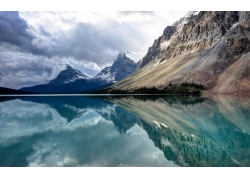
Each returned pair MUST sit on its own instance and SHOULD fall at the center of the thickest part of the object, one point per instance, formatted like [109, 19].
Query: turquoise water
[124, 131]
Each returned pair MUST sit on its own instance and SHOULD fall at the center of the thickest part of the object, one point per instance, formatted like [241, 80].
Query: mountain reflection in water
[125, 131]
[196, 131]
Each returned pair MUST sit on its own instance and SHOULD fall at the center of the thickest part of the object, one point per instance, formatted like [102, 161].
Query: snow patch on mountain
[156, 64]
[110, 77]
[74, 78]
[163, 62]
[234, 25]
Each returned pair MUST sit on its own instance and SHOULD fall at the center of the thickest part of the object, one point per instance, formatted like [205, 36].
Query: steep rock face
[201, 31]
[121, 68]
[198, 48]
[235, 79]
[163, 41]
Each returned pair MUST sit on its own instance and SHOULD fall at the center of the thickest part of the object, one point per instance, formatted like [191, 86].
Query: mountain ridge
[204, 46]
[71, 80]
[67, 75]
[4, 90]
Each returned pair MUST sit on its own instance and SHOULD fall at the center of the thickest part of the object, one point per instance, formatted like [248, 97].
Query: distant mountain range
[71, 80]
[6, 91]
[210, 48]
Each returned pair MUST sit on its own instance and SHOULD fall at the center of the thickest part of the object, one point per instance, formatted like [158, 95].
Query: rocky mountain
[71, 80]
[68, 81]
[68, 75]
[121, 68]
[208, 48]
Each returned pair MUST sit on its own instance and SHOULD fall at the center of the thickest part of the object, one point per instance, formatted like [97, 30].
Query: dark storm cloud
[98, 43]
[14, 34]
[22, 69]
[44, 32]
[13, 30]
[34, 46]
[29, 54]
[95, 43]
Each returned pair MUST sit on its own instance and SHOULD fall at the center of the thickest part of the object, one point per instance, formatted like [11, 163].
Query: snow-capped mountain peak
[72, 80]
[121, 68]
[68, 75]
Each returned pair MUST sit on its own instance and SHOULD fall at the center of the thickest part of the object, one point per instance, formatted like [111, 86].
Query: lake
[154, 131]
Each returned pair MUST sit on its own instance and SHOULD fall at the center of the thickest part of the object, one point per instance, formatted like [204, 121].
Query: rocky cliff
[208, 48]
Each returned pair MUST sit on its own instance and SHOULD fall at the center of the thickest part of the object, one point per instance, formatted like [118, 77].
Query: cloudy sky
[36, 45]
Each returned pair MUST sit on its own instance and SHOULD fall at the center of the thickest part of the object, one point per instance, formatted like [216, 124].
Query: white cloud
[89, 41]
[135, 31]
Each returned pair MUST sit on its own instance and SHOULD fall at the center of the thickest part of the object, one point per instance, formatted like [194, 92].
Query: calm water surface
[125, 131]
